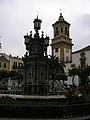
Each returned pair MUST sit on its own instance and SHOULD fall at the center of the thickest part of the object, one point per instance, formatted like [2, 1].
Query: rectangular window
[67, 59]
[56, 30]
[4, 65]
[0, 64]
[66, 30]
[56, 49]
[67, 49]
[15, 65]
[20, 65]
[61, 30]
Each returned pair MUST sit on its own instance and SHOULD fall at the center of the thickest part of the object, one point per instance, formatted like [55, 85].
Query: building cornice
[87, 48]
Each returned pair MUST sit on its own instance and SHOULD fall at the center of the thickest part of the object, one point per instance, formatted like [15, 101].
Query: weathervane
[60, 11]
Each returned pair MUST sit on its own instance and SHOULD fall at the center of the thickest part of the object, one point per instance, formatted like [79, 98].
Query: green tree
[15, 74]
[83, 74]
[73, 71]
[4, 74]
[61, 76]
[84, 86]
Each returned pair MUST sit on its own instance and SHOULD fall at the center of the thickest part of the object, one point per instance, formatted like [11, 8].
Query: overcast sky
[16, 19]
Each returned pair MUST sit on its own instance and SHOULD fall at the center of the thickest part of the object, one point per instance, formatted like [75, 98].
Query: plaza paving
[33, 97]
[77, 118]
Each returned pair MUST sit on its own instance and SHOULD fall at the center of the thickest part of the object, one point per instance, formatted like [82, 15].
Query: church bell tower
[61, 42]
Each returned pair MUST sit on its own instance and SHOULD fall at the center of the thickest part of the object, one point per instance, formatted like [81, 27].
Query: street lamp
[46, 44]
[37, 24]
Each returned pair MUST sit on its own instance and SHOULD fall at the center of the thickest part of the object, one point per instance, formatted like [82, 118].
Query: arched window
[0, 64]
[61, 30]
[66, 30]
[56, 30]
[4, 65]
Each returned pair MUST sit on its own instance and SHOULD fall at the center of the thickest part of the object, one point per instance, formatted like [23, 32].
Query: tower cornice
[59, 22]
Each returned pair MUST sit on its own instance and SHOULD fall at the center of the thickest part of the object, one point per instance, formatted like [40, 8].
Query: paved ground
[32, 96]
[78, 118]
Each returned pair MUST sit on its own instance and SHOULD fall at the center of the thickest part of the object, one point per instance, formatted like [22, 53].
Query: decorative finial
[37, 16]
[61, 16]
[30, 33]
[60, 12]
[42, 34]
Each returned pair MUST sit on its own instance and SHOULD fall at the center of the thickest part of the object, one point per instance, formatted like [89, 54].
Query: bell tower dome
[61, 42]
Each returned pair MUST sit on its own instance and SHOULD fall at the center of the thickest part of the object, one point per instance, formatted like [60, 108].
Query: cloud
[16, 19]
[81, 31]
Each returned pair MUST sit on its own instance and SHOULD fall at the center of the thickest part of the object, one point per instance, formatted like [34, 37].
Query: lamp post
[37, 23]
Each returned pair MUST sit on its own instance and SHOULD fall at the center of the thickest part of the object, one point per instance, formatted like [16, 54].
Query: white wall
[66, 54]
[67, 67]
[76, 80]
[57, 53]
[75, 59]
[88, 57]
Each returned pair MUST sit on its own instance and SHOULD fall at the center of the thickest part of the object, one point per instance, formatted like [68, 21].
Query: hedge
[41, 109]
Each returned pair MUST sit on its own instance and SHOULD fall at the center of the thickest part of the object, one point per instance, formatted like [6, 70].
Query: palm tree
[55, 66]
